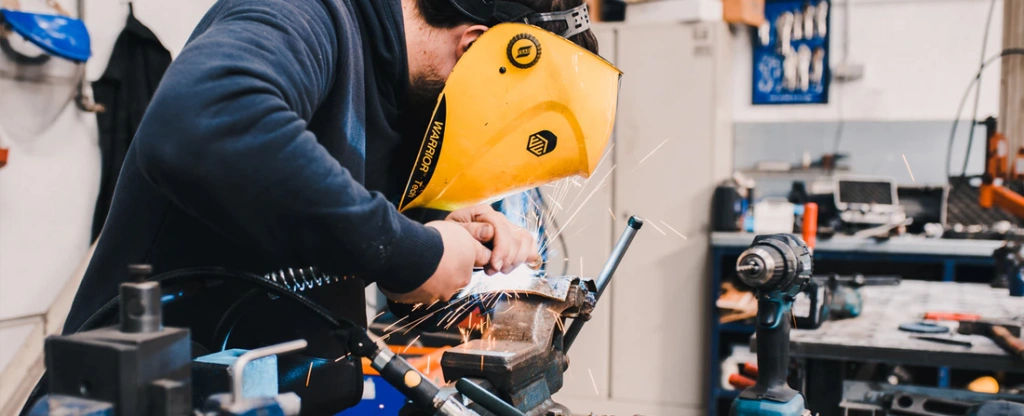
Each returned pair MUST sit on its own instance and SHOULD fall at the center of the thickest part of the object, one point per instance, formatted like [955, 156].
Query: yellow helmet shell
[522, 107]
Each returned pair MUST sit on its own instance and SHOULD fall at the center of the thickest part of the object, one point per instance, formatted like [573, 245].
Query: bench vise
[521, 354]
[517, 364]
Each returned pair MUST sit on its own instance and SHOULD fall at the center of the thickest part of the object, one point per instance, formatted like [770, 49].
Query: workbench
[933, 259]
[874, 336]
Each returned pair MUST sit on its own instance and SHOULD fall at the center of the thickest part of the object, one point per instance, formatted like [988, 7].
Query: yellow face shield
[522, 108]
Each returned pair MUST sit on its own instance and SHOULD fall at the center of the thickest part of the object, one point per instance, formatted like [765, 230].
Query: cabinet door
[588, 240]
[665, 157]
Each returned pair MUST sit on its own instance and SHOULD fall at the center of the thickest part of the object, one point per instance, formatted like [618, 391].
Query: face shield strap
[577, 19]
[492, 12]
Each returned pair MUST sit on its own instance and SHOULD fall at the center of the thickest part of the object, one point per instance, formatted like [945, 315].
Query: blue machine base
[747, 407]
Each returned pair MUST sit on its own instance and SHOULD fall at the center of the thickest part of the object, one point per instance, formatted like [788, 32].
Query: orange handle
[810, 227]
[3, 156]
[951, 316]
[750, 369]
[740, 382]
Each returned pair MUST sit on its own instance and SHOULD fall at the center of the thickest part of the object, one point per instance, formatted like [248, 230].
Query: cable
[967, 93]
[977, 91]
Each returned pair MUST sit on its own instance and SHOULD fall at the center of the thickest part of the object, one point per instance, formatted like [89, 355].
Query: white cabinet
[648, 356]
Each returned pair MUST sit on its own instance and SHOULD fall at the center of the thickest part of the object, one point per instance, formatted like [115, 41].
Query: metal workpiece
[632, 227]
[522, 281]
[238, 368]
[141, 309]
[486, 398]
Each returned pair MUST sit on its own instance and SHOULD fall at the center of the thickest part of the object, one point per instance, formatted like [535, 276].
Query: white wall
[918, 55]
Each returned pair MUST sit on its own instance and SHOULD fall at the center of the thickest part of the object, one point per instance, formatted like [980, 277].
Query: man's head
[438, 34]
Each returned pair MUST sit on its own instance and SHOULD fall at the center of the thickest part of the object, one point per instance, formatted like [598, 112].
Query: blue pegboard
[769, 85]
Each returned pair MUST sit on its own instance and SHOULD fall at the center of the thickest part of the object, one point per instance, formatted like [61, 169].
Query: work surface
[875, 336]
[896, 245]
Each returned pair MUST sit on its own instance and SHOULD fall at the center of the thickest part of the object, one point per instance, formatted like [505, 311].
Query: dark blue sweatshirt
[266, 146]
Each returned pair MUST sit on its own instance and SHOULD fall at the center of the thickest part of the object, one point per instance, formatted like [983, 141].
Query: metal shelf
[727, 394]
[736, 328]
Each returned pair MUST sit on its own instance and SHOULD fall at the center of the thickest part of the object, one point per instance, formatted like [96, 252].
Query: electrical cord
[977, 90]
[963, 101]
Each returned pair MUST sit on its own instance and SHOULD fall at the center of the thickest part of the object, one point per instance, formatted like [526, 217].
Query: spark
[656, 227]
[594, 382]
[573, 216]
[481, 363]
[558, 321]
[673, 230]
[342, 357]
[410, 344]
[570, 372]
[395, 323]
[584, 227]
[310, 373]
[650, 154]
[611, 213]
[908, 168]
[416, 306]
[377, 316]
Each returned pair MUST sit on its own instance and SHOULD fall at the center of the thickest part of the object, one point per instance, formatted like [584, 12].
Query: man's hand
[512, 246]
[462, 252]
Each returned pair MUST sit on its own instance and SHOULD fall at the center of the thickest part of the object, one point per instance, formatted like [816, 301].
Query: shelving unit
[914, 258]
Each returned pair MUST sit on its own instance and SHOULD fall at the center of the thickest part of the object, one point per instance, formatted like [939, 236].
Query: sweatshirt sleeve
[225, 138]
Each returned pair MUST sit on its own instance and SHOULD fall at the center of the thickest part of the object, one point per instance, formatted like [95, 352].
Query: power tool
[777, 267]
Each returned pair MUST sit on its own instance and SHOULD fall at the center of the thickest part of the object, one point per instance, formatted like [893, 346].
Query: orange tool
[3, 156]
[951, 316]
[741, 382]
[810, 226]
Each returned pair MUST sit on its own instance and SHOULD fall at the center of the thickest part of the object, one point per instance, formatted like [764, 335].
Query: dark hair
[442, 14]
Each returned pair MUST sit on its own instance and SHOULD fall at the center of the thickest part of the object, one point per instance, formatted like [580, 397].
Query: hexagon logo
[541, 143]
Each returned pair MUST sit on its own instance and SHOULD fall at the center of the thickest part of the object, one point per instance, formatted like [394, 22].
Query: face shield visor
[41, 64]
[523, 107]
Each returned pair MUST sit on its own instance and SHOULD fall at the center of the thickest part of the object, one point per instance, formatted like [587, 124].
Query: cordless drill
[777, 267]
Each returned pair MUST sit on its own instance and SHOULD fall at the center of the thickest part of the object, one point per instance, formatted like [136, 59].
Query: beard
[422, 99]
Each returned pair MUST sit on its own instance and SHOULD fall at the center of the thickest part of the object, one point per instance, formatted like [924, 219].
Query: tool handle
[406, 378]
[1007, 341]
[603, 279]
[772, 345]
[951, 316]
[486, 399]
[810, 224]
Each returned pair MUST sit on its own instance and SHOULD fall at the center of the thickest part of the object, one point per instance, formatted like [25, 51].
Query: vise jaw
[520, 356]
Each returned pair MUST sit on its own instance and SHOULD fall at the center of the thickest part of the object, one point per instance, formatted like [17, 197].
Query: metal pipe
[242, 360]
[603, 279]
[486, 399]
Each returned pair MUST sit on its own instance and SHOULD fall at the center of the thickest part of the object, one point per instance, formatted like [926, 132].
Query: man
[281, 136]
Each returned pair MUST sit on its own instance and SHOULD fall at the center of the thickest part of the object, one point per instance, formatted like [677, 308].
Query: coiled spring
[301, 279]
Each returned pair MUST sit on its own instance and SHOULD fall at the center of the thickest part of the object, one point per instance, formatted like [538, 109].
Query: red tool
[951, 316]
[3, 156]
[810, 226]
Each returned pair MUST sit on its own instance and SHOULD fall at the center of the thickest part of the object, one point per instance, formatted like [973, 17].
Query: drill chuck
[774, 261]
